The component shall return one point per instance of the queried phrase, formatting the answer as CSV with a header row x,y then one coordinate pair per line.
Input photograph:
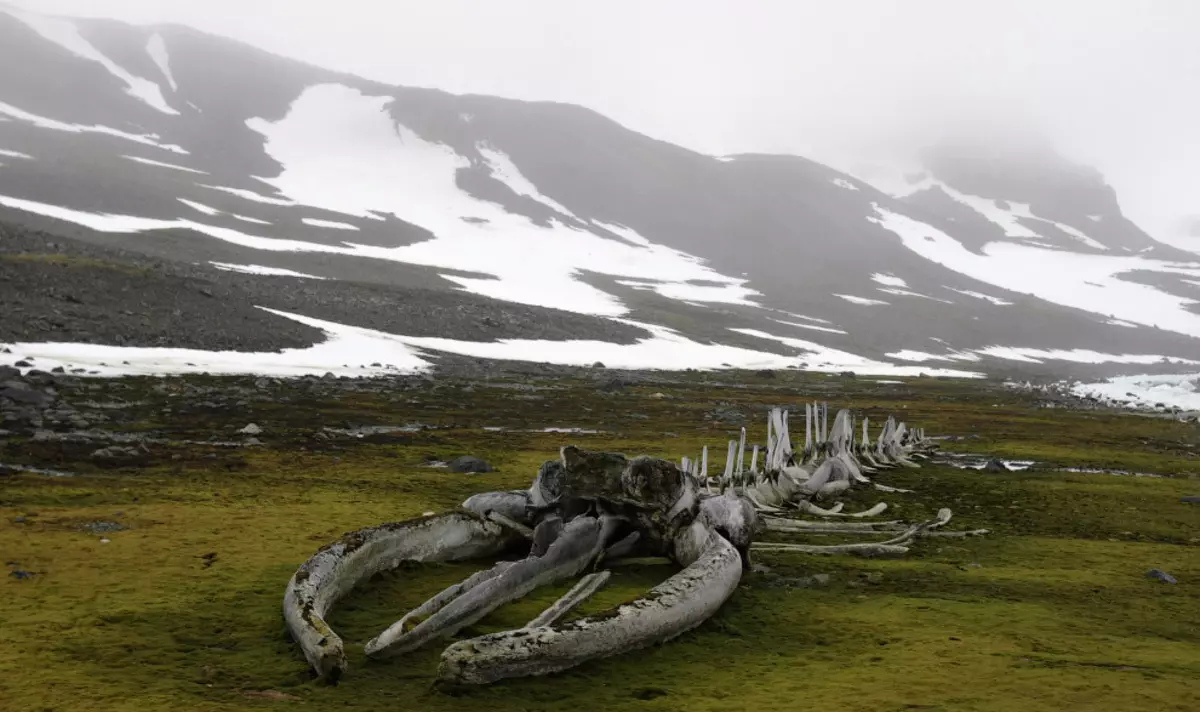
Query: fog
x,y
1111,83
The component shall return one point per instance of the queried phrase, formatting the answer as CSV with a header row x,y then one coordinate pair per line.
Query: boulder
x,y
469,464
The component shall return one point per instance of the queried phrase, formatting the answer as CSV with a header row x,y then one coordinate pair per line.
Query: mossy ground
x,y
182,611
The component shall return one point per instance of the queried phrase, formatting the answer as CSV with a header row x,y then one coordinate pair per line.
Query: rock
x,y
598,364
8,373
251,429
1190,499
20,575
848,374
252,442
765,373
996,465
116,455
468,464
19,392
103,527
1160,575
23,363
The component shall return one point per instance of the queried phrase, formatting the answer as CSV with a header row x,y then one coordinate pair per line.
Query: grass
x,y
182,610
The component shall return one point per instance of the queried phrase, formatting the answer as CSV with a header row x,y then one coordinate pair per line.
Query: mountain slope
x,y
182,146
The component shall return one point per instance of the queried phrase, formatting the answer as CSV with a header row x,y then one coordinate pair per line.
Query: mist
x,y
1108,83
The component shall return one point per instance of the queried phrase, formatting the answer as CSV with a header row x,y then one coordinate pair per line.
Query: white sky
x,y
1115,83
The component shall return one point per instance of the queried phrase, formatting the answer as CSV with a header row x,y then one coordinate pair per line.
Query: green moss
x,y
1050,611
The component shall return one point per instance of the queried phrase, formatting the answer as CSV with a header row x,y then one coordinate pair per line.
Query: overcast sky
x,y
1115,83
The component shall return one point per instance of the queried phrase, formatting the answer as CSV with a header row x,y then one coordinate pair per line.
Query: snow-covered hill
x,y
177,145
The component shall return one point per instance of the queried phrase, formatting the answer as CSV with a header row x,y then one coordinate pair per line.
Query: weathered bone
x,y
681,603
357,556
582,540
582,591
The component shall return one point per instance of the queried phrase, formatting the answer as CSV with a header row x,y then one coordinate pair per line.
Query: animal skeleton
x,y
589,509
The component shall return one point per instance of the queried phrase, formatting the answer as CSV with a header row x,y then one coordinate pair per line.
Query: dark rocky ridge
x,y
58,289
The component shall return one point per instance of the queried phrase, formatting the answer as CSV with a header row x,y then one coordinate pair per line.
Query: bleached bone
x,y
681,603
580,592
581,541
810,508
337,568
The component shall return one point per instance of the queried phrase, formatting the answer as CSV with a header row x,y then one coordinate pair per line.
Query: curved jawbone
x,y
334,570
679,604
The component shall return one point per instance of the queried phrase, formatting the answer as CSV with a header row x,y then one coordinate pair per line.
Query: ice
x,y
64,33
15,154
331,224
812,327
55,125
160,164
261,269
1084,281
994,300
889,280
157,49
199,206
505,171
859,300
341,152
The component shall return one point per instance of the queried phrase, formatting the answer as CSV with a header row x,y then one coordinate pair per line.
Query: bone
x,y
868,550
582,591
516,526
810,508
448,594
336,569
581,541
679,604
741,456
622,548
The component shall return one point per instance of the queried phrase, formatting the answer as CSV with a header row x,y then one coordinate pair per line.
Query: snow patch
x,y
343,345
843,183
256,221
331,224
64,33
859,300
262,269
1084,281
505,171
15,154
813,327
252,196
910,293
160,164
823,358
199,206
157,49
342,153
994,300
1173,390
889,280
1076,355
43,122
